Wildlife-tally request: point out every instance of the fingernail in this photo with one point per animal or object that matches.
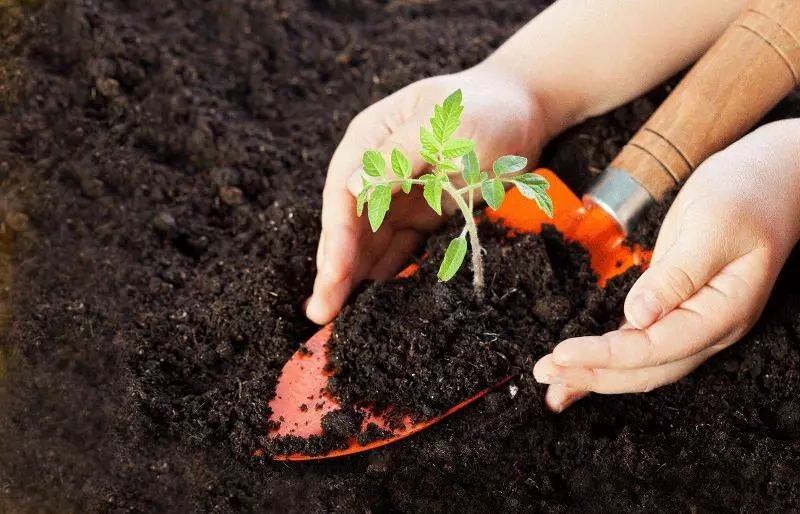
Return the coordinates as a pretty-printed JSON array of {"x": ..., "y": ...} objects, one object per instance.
[
  {"x": 551, "y": 380},
  {"x": 313, "y": 310},
  {"x": 356, "y": 183},
  {"x": 563, "y": 357},
  {"x": 573, "y": 352},
  {"x": 644, "y": 310},
  {"x": 555, "y": 398}
]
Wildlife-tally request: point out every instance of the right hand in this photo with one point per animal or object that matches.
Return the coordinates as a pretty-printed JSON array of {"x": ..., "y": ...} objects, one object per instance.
[{"x": 500, "y": 114}]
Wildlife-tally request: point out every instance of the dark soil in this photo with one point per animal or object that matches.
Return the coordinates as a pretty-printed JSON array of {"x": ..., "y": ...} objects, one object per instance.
[
  {"x": 422, "y": 345},
  {"x": 161, "y": 164}
]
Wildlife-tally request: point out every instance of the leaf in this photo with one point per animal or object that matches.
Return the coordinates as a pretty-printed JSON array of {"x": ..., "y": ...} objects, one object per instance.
[
  {"x": 509, "y": 164},
  {"x": 428, "y": 140},
  {"x": 451, "y": 123},
  {"x": 400, "y": 165},
  {"x": 457, "y": 147},
  {"x": 429, "y": 157},
  {"x": 472, "y": 168},
  {"x": 373, "y": 162},
  {"x": 532, "y": 180},
  {"x": 447, "y": 117},
  {"x": 453, "y": 101},
  {"x": 493, "y": 192},
  {"x": 432, "y": 192},
  {"x": 361, "y": 199},
  {"x": 407, "y": 186},
  {"x": 533, "y": 189},
  {"x": 447, "y": 167},
  {"x": 437, "y": 123},
  {"x": 453, "y": 258},
  {"x": 378, "y": 205}
]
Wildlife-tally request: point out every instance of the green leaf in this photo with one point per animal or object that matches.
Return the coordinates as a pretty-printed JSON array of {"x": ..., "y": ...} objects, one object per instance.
[
  {"x": 493, "y": 192},
  {"x": 453, "y": 258},
  {"x": 400, "y": 165},
  {"x": 429, "y": 157},
  {"x": 532, "y": 180},
  {"x": 407, "y": 186},
  {"x": 457, "y": 147},
  {"x": 378, "y": 205},
  {"x": 428, "y": 140},
  {"x": 447, "y": 166},
  {"x": 453, "y": 101},
  {"x": 437, "y": 123},
  {"x": 373, "y": 162},
  {"x": 534, "y": 187},
  {"x": 361, "y": 199},
  {"x": 509, "y": 164},
  {"x": 472, "y": 168},
  {"x": 432, "y": 192},
  {"x": 447, "y": 117}
]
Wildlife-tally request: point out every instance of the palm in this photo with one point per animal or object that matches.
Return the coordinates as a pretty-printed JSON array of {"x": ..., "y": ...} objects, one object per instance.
[{"x": 349, "y": 251}]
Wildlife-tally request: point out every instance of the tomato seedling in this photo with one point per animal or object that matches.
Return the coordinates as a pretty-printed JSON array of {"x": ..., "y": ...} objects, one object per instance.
[{"x": 455, "y": 170}]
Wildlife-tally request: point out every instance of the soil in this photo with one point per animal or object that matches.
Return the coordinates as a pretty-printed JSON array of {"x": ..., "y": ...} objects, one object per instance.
[
  {"x": 161, "y": 167},
  {"x": 422, "y": 346}
]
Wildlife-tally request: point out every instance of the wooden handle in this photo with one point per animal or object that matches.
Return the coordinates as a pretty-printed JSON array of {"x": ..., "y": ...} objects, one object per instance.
[{"x": 749, "y": 69}]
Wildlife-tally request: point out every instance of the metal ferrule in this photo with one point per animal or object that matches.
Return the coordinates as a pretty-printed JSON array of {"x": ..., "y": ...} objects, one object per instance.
[{"x": 621, "y": 196}]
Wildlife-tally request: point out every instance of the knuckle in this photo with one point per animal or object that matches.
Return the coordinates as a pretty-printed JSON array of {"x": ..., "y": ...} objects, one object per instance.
[
  {"x": 679, "y": 283},
  {"x": 651, "y": 352}
]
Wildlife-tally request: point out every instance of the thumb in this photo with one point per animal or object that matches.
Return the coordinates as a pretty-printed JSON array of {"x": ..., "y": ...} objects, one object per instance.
[
  {"x": 405, "y": 138},
  {"x": 694, "y": 257}
]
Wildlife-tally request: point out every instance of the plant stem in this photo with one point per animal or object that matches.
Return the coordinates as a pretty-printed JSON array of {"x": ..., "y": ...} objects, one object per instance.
[
  {"x": 474, "y": 242},
  {"x": 392, "y": 181}
]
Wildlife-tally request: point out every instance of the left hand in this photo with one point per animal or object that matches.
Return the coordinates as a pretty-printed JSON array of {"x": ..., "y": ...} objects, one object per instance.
[{"x": 717, "y": 257}]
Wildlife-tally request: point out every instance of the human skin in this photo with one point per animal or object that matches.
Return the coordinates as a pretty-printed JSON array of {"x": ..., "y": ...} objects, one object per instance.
[
  {"x": 577, "y": 59},
  {"x": 718, "y": 254}
]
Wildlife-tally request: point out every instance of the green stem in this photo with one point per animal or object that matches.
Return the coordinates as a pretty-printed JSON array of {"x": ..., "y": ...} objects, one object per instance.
[
  {"x": 395, "y": 181},
  {"x": 469, "y": 189},
  {"x": 474, "y": 242}
]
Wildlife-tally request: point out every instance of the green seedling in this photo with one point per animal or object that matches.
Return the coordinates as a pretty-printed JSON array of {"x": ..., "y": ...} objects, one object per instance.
[{"x": 455, "y": 170}]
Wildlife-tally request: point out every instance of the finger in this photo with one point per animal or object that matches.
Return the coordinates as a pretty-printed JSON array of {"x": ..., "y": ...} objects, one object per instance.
[
  {"x": 696, "y": 255},
  {"x": 560, "y": 397},
  {"x": 334, "y": 278},
  {"x": 342, "y": 230},
  {"x": 718, "y": 314},
  {"x": 618, "y": 381},
  {"x": 404, "y": 138}
]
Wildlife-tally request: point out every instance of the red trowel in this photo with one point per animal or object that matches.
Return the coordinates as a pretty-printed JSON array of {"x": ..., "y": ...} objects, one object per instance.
[{"x": 753, "y": 65}]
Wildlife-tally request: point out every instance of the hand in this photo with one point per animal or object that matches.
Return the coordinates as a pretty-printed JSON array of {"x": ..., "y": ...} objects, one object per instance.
[
  {"x": 716, "y": 260},
  {"x": 501, "y": 115}
]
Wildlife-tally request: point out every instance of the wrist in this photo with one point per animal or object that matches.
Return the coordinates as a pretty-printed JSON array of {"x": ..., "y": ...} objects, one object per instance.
[{"x": 550, "y": 111}]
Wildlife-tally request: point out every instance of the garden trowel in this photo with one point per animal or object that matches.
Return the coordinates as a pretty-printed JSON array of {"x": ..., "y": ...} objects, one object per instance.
[{"x": 751, "y": 67}]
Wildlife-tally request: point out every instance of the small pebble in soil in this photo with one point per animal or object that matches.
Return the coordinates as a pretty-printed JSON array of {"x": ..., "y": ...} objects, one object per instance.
[
  {"x": 17, "y": 221},
  {"x": 230, "y": 195},
  {"x": 164, "y": 222},
  {"x": 92, "y": 187}
]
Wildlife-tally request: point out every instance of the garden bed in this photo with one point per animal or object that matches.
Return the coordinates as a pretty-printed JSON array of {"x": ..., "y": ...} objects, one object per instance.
[{"x": 169, "y": 159}]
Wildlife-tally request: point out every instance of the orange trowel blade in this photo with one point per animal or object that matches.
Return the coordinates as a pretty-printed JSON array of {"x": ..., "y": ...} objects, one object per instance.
[{"x": 301, "y": 397}]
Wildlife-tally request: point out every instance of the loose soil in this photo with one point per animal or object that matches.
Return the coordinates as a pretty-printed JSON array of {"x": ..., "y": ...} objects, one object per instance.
[
  {"x": 422, "y": 346},
  {"x": 161, "y": 165}
]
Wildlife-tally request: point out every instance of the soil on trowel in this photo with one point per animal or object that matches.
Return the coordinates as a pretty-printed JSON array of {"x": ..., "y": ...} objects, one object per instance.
[{"x": 422, "y": 346}]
